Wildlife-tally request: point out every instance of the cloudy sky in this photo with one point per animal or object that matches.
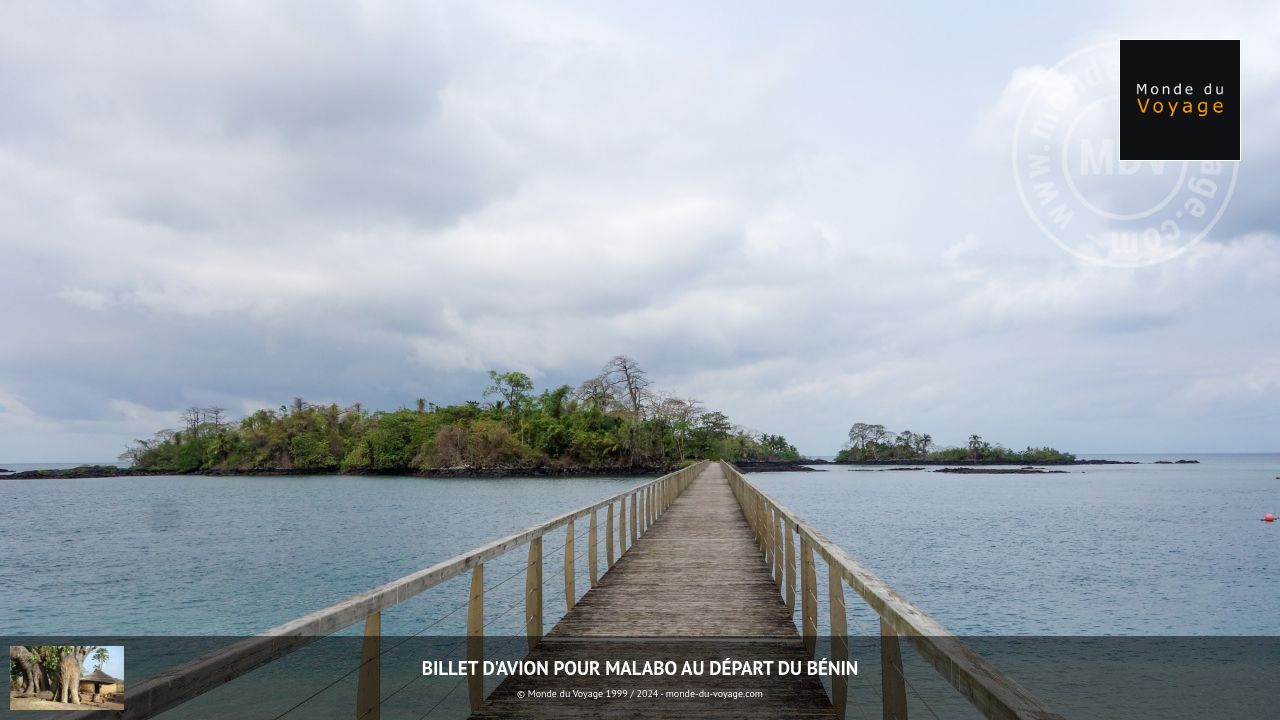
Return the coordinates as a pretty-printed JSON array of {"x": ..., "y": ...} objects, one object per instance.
[{"x": 804, "y": 217}]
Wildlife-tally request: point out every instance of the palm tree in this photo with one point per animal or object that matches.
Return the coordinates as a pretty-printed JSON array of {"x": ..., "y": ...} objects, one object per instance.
[
  {"x": 975, "y": 444},
  {"x": 922, "y": 444}
]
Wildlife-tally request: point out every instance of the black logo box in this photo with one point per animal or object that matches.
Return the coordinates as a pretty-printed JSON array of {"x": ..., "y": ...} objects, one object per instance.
[{"x": 1186, "y": 69}]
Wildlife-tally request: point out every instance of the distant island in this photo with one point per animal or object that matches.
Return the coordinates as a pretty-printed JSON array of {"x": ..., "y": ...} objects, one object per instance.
[
  {"x": 874, "y": 444},
  {"x": 615, "y": 422}
]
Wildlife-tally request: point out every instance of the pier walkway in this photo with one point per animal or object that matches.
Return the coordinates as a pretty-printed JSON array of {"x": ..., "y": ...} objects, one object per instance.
[{"x": 694, "y": 587}]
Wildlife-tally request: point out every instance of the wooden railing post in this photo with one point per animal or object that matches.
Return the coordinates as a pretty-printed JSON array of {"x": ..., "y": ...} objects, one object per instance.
[
  {"x": 608, "y": 537},
  {"x": 591, "y": 550},
  {"x": 760, "y": 529},
  {"x": 622, "y": 527},
  {"x": 839, "y": 640},
  {"x": 791, "y": 570},
  {"x": 533, "y": 594},
  {"x": 368, "y": 684},
  {"x": 754, "y": 515},
  {"x": 764, "y": 526},
  {"x": 635, "y": 532},
  {"x": 770, "y": 557},
  {"x": 475, "y": 636},
  {"x": 893, "y": 678},
  {"x": 570, "y": 594},
  {"x": 808, "y": 597},
  {"x": 776, "y": 527},
  {"x": 649, "y": 507},
  {"x": 643, "y": 498}
]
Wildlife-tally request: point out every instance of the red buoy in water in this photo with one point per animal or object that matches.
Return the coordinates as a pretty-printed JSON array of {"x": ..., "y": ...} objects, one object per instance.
[{"x": 1269, "y": 517}]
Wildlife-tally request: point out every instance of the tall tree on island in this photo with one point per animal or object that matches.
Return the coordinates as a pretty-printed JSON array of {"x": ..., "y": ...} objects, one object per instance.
[
  {"x": 625, "y": 374},
  {"x": 975, "y": 446},
  {"x": 514, "y": 388}
]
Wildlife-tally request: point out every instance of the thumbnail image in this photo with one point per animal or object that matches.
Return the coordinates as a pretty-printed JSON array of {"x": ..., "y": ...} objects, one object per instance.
[{"x": 66, "y": 677}]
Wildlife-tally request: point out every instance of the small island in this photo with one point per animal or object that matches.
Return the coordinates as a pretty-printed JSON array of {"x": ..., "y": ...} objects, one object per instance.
[
  {"x": 874, "y": 444},
  {"x": 616, "y": 423},
  {"x": 80, "y": 471}
]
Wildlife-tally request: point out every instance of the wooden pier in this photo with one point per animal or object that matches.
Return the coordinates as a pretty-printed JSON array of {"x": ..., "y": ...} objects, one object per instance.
[
  {"x": 698, "y": 564},
  {"x": 695, "y": 586}
]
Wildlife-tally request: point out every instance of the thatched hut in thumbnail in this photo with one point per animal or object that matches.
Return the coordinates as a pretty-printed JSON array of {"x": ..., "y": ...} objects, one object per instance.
[{"x": 98, "y": 683}]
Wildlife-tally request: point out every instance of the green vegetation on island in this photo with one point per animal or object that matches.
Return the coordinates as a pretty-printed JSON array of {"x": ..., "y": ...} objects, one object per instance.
[
  {"x": 870, "y": 443},
  {"x": 615, "y": 420}
]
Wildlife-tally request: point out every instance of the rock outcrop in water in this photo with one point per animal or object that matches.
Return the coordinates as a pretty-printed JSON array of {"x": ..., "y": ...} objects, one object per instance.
[
  {"x": 82, "y": 471},
  {"x": 104, "y": 471},
  {"x": 998, "y": 471},
  {"x": 753, "y": 466}
]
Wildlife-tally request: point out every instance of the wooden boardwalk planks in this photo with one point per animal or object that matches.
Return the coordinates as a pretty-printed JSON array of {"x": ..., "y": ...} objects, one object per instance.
[{"x": 695, "y": 586}]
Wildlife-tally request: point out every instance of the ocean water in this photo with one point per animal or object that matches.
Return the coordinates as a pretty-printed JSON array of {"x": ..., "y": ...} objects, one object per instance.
[
  {"x": 1100, "y": 550},
  {"x": 199, "y": 556},
  {"x": 1037, "y": 572},
  {"x": 1108, "y": 591}
]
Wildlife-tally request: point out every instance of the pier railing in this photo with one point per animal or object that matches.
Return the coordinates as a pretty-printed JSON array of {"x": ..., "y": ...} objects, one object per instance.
[
  {"x": 637, "y": 509},
  {"x": 777, "y": 530}
]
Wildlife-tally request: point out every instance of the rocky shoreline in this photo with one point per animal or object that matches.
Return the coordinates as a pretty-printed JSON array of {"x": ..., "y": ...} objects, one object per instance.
[
  {"x": 750, "y": 466},
  {"x": 991, "y": 462},
  {"x": 995, "y": 468},
  {"x": 999, "y": 471},
  {"x": 108, "y": 471},
  {"x": 79, "y": 472}
]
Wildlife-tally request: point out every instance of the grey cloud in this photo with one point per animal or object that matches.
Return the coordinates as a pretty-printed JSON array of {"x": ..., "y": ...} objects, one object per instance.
[{"x": 235, "y": 204}]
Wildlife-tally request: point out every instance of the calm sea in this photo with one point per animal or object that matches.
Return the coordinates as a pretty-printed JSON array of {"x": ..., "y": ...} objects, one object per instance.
[
  {"x": 1120, "y": 549},
  {"x": 1100, "y": 550},
  {"x": 1056, "y": 559},
  {"x": 195, "y": 555}
]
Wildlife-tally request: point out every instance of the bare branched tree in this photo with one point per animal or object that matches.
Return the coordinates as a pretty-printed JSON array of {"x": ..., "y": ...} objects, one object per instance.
[
  {"x": 629, "y": 381},
  {"x": 595, "y": 392},
  {"x": 215, "y": 416},
  {"x": 191, "y": 418},
  {"x": 680, "y": 414}
]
